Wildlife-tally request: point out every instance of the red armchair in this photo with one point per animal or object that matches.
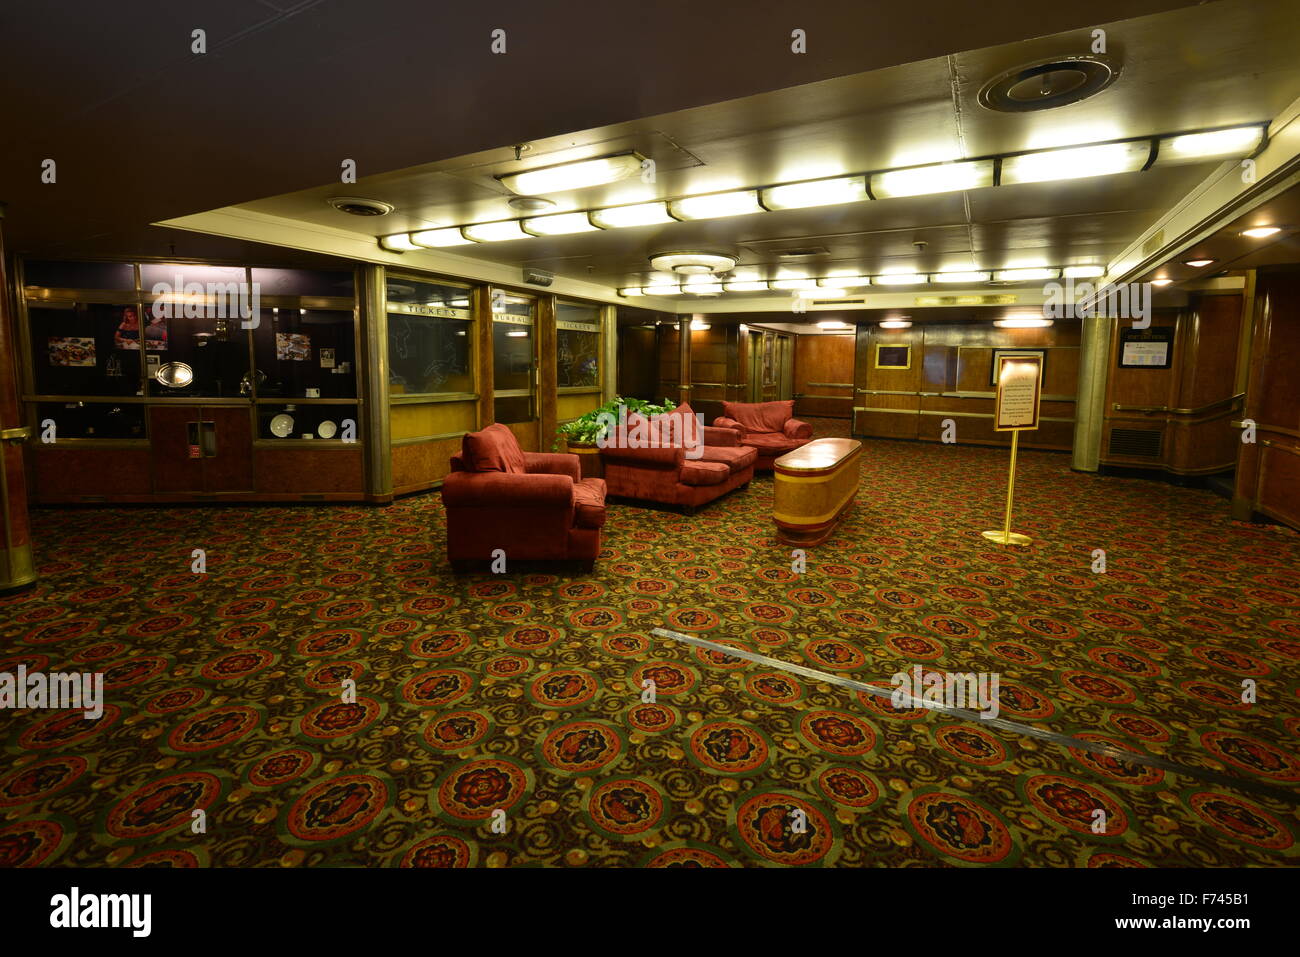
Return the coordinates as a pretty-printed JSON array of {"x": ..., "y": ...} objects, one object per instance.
[
  {"x": 768, "y": 427},
  {"x": 532, "y": 505},
  {"x": 664, "y": 473}
]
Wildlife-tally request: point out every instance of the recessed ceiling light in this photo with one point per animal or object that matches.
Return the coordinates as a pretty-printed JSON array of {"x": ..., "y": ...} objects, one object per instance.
[
  {"x": 1261, "y": 232},
  {"x": 576, "y": 175},
  {"x": 896, "y": 324},
  {"x": 1161, "y": 281},
  {"x": 1197, "y": 263},
  {"x": 1022, "y": 322},
  {"x": 833, "y": 324},
  {"x": 690, "y": 262}
]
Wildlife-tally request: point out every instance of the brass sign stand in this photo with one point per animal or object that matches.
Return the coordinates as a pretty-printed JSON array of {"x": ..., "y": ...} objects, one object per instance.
[{"x": 1020, "y": 386}]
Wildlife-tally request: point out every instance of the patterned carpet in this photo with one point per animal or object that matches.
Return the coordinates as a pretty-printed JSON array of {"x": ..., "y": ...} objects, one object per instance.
[{"x": 521, "y": 693}]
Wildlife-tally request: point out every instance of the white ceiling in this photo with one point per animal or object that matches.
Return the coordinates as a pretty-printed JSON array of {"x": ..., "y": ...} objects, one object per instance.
[{"x": 1218, "y": 64}]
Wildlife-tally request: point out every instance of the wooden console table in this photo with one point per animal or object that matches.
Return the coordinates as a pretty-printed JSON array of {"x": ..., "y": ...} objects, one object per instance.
[{"x": 815, "y": 487}]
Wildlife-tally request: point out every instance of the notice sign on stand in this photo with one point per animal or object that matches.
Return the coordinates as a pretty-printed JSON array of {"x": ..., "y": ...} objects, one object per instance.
[{"x": 1020, "y": 387}]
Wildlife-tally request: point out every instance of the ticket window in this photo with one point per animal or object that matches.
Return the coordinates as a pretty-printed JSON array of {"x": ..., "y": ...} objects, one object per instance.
[{"x": 514, "y": 357}]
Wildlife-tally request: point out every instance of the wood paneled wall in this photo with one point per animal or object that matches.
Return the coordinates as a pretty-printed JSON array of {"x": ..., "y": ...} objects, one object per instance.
[
  {"x": 1178, "y": 419},
  {"x": 1268, "y": 470},
  {"x": 950, "y": 377},
  {"x": 823, "y": 375},
  {"x": 638, "y": 374}
]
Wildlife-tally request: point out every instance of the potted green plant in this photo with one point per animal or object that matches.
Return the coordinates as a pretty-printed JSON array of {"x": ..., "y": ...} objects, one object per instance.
[{"x": 585, "y": 432}]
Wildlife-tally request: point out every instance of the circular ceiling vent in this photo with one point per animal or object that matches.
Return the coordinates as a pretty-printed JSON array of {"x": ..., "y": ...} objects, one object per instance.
[
  {"x": 358, "y": 206},
  {"x": 689, "y": 262},
  {"x": 1049, "y": 84}
]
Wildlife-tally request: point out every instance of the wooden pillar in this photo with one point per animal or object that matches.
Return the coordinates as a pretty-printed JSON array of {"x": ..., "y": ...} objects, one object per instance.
[
  {"x": 547, "y": 373},
  {"x": 481, "y": 300},
  {"x": 684, "y": 358},
  {"x": 17, "y": 566}
]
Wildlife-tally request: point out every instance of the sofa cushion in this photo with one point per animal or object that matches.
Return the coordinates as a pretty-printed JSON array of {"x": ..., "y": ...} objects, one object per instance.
[
  {"x": 589, "y": 503},
  {"x": 760, "y": 416},
  {"x": 735, "y": 458},
  {"x": 769, "y": 442},
  {"x": 494, "y": 449},
  {"x": 700, "y": 472}
]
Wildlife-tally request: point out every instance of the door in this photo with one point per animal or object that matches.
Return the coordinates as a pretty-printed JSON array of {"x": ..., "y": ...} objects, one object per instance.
[{"x": 515, "y": 364}]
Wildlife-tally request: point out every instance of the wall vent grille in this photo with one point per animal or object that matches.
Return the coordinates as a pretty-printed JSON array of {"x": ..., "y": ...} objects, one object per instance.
[{"x": 1138, "y": 443}]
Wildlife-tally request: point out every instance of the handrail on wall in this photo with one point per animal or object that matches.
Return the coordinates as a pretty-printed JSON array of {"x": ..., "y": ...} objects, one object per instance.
[{"x": 1151, "y": 409}]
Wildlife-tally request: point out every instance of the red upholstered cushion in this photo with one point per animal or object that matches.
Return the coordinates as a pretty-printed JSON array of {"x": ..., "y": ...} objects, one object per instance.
[
  {"x": 700, "y": 472},
  {"x": 589, "y": 503},
  {"x": 760, "y": 416},
  {"x": 494, "y": 449},
  {"x": 734, "y": 457},
  {"x": 773, "y": 441}
]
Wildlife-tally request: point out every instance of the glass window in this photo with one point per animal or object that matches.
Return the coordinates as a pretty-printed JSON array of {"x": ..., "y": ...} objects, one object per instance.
[
  {"x": 189, "y": 355},
  {"x": 85, "y": 349},
  {"x": 159, "y": 278},
  {"x": 308, "y": 421},
  {"x": 514, "y": 347},
  {"x": 92, "y": 420},
  {"x": 577, "y": 345},
  {"x": 305, "y": 354},
  {"x": 62, "y": 275},
  {"x": 430, "y": 338},
  {"x": 303, "y": 282}
]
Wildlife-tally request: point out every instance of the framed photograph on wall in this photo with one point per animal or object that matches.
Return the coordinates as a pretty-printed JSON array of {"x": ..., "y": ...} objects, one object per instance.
[
  {"x": 1146, "y": 348},
  {"x": 893, "y": 357},
  {"x": 998, "y": 353}
]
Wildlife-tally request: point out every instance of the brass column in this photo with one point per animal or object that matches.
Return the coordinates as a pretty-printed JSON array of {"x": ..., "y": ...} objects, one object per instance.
[
  {"x": 608, "y": 353},
  {"x": 1090, "y": 409},
  {"x": 684, "y": 358},
  {"x": 17, "y": 565},
  {"x": 376, "y": 433}
]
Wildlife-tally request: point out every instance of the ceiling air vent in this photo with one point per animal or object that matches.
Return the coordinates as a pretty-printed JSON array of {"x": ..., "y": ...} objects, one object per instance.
[
  {"x": 359, "y": 206},
  {"x": 1137, "y": 443},
  {"x": 1048, "y": 84},
  {"x": 803, "y": 252},
  {"x": 839, "y": 302}
]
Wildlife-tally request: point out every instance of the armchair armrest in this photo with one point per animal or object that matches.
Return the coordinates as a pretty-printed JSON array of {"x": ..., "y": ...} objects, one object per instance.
[
  {"x": 468, "y": 489},
  {"x": 722, "y": 422},
  {"x": 797, "y": 430},
  {"x": 645, "y": 456},
  {"x": 720, "y": 436},
  {"x": 553, "y": 463}
]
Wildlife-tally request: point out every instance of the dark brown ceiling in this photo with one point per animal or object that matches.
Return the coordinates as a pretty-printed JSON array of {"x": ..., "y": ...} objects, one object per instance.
[{"x": 143, "y": 130}]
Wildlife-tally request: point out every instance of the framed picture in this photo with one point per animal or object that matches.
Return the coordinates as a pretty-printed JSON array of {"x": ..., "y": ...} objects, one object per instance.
[
  {"x": 893, "y": 357},
  {"x": 1020, "y": 392},
  {"x": 1145, "y": 348},
  {"x": 999, "y": 353}
]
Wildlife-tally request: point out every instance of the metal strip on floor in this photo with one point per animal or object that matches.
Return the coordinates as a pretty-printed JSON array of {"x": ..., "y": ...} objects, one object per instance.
[{"x": 1015, "y": 727}]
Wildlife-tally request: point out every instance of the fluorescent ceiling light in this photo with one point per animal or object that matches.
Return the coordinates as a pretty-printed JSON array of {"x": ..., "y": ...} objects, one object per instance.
[
  {"x": 630, "y": 291},
  {"x": 688, "y": 262},
  {"x": 494, "y": 232},
  {"x": 960, "y": 277},
  {"x": 1197, "y": 263},
  {"x": 1083, "y": 272},
  {"x": 705, "y": 287},
  {"x": 1261, "y": 232},
  {"x": 936, "y": 178},
  {"x": 1022, "y": 322},
  {"x": 748, "y": 285},
  {"x": 833, "y": 324},
  {"x": 899, "y": 279},
  {"x": 697, "y": 324},
  {"x": 712, "y": 205},
  {"x": 664, "y": 290},
  {"x": 818, "y": 192},
  {"x": 398, "y": 243},
  {"x": 576, "y": 175},
  {"x": 896, "y": 324},
  {"x": 1026, "y": 275},
  {"x": 449, "y": 236},
  {"x": 793, "y": 284},
  {"x": 1162, "y": 281},
  {"x": 1075, "y": 162},
  {"x": 845, "y": 282},
  {"x": 638, "y": 214},
  {"x": 1240, "y": 141},
  {"x": 559, "y": 224}
]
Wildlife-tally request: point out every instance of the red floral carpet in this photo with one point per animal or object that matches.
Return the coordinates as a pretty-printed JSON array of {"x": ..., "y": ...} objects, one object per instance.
[{"x": 497, "y": 720}]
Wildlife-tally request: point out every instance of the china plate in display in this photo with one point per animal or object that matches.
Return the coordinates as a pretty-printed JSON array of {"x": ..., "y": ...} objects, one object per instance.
[
  {"x": 326, "y": 429},
  {"x": 282, "y": 426}
]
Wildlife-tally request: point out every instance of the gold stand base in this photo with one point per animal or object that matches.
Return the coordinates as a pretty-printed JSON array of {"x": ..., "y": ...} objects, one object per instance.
[{"x": 1007, "y": 538}]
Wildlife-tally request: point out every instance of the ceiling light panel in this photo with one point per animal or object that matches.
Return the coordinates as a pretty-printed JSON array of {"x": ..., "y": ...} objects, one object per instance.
[
  {"x": 495, "y": 232},
  {"x": 637, "y": 214},
  {"x": 1026, "y": 275},
  {"x": 818, "y": 192},
  {"x": 899, "y": 279},
  {"x": 437, "y": 238},
  {"x": 961, "y": 277},
  {"x": 935, "y": 178},
  {"x": 580, "y": 174},
  {"x": 400, "y": 242},
  {"x": 560, "y": 224},
  {"x": 1083, "y": 272},
  {"x": 1216, "y": 144},
  {"x": 1076, "y": 162},
  {"x": 739, "y": 202}
]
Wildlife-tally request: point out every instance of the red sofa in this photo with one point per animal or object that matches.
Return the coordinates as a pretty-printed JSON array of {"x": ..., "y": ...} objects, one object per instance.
[
  {"x": 665, "y": 474},
  {"x": 768, "y": 427},
  {"x": 532, "y": 505}
]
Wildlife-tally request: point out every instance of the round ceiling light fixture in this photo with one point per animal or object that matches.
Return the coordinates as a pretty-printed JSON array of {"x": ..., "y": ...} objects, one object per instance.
[
  {"x": 530, "y": 204},
  {"x": 1047, "y": 84},
  {"x": 359, "y": 206},
  {"x": 689, "y": 262}
]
